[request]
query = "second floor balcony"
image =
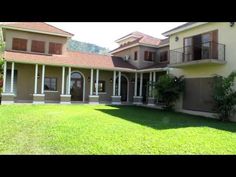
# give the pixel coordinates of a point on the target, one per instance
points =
(204, 53)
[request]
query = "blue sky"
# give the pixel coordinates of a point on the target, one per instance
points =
(105, 33)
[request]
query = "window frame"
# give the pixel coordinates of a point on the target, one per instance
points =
(149, 56)
(135, 55)
(14, 45)
(104, 88)
(52, 48)
(50, 84)
(37, 41)
(166, 53)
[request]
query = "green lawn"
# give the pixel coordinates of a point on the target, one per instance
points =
(89, 129)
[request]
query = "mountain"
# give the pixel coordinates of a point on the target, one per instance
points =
(74, 45)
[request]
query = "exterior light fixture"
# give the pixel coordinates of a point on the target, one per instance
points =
(88, 79)
(111, 80)
(176, 38)
(231, 24)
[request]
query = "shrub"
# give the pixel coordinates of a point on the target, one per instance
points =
(224, 96)
(168, 88)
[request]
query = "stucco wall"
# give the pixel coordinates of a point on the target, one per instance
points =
(25, 82)
(226, 35)
(10, 34)
(140, 62)
(130, 52)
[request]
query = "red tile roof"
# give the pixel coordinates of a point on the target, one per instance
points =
(37, 26)
(73, 59)
(141, 39)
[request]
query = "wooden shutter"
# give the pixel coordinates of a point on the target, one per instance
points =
(38, 46)
(55, 48)
(214, 39)
(135, 55)
(145, 55)
(19, 44)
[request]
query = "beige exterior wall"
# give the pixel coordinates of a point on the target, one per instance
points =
(25, 82)
(226, 35)
(10, 34)
(130, 52)
(140, 62)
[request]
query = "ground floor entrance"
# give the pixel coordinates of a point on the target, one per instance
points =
(76, 88)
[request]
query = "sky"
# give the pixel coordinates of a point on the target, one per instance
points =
(104, 34)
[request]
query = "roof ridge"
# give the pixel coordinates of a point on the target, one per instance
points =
(57, 28)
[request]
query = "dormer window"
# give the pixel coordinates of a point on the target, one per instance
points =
(19, 44)
(38, 46)
(55, 48)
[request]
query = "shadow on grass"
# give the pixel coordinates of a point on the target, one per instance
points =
(161, 120)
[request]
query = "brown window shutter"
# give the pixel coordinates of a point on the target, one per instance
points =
(55, 48)
(19, 44)
(146, 55)
(38, 46)
(214, 36)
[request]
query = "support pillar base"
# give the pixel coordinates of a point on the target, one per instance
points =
(116, 100)
(93, 99)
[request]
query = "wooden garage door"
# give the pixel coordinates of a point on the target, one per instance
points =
(198, 94)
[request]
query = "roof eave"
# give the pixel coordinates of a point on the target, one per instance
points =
(36, 31)
(168, 33)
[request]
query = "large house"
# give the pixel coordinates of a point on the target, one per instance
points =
(39, 68)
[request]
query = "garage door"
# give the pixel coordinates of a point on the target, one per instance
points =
(198, 94)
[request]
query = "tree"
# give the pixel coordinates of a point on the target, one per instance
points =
(224, 95)
(168, 88)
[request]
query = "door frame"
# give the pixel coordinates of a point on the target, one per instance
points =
(127, 79)
(76, 71)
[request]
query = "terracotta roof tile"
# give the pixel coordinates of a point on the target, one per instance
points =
(76, 59)
(142, 39)
(38, 26)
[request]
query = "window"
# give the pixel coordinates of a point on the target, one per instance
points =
(19, 44)
(149, 56)
(163, 56)
(55, 48)
(38, 46)
(50, 84)
(135, 55)
(101, 86)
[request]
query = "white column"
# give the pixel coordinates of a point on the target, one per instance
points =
(114, 83)
(154, 76)
(154, 80)
(141, 85)
(91, 82)
(119, 83)
(4, 76)
(97, 79)
(135, 84)
(150, 81)
(43, 76)
(69, 78)
(63, 80)
(12, 76)
(36, 79)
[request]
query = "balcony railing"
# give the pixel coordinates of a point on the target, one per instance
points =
(203, 51)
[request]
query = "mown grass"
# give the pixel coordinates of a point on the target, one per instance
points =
(100, 129)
